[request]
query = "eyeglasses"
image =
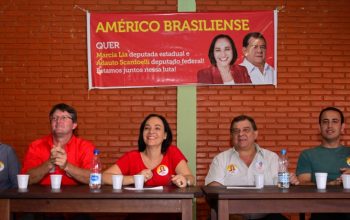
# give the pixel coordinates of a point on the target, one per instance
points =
(237, 131)
(261, 47)
(62, 118)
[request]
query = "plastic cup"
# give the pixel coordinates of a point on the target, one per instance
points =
(117, 181)
(346, 181)
(259, 180)
(275, 181)
(139, 180)
(22, 180)
(321, 180)
(56, 181)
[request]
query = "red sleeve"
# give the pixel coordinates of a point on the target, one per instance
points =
(129, 163)
(86, 154)
(204, 76)
(176, 155)
(240, 74)
(38, 152)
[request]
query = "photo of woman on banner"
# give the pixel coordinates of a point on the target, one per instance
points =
(223, 70)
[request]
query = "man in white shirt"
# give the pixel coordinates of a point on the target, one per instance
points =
(254, 51)
(239, 164)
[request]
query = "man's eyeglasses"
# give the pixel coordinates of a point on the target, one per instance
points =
(238, 131)
(261, 47)
(62, 118)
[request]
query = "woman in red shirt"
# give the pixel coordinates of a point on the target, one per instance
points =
(160, 162)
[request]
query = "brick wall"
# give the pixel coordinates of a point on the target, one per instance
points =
(43, 62)
(313, 72)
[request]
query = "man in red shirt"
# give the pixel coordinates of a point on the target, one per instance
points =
(60, 152)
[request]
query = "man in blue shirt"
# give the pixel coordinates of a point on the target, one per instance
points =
(9, 167)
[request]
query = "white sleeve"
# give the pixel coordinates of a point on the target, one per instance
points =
(274, 166)
(273, 169)
(216, 171)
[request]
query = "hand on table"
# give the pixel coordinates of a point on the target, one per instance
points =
(179, 180)
(294, 179)
(339, 180)
(147, 173)
(345, 170)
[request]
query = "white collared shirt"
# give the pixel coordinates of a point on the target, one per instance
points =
(228, 169)
(232, 82)
(267, 77)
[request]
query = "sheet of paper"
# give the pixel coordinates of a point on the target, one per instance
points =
(242, 187)
(145, 188)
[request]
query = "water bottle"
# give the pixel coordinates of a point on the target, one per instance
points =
(283, 174)
(95, 175)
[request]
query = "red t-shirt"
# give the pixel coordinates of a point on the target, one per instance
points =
(131, 163)
(79, 153)
(212, 75)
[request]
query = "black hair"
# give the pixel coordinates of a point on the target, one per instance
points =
(256, 35)
(342, 120)
(242, 118)
(169, 137)
(65, 108)
(212, 46)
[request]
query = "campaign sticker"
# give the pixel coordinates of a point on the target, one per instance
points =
(2, 166)
(259, 165)
(162, 170)
(231, 168)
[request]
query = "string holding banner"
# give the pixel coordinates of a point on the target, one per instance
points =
(282, 7)
(80, 8)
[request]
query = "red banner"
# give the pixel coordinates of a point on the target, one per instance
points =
(141, 50)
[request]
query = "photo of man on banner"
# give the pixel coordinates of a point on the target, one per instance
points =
(254, 51)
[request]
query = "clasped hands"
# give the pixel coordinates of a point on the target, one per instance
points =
(178, 180)
(58, 156)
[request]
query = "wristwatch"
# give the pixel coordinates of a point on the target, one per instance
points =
(188, 182)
